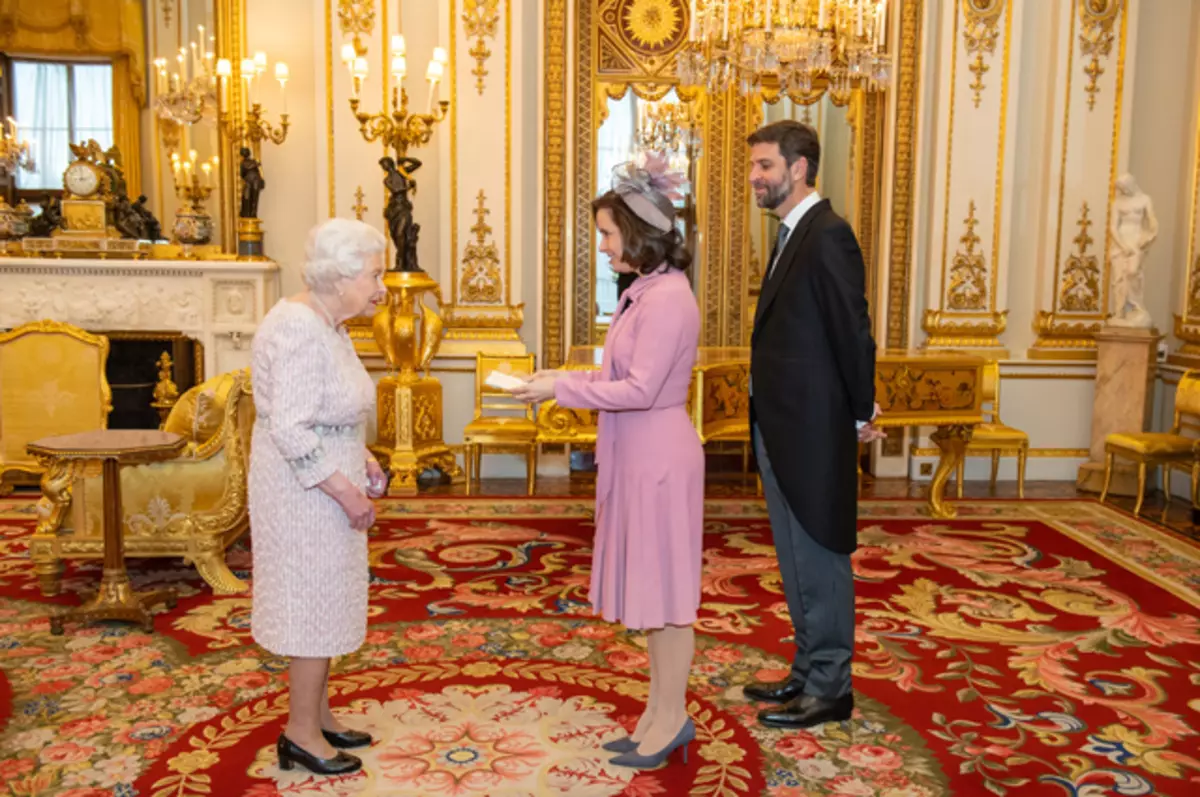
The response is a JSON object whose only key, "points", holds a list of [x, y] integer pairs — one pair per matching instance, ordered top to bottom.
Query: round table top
{"points": [[123, 445]]}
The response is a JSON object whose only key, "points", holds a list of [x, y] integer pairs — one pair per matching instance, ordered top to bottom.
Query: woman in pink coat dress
{"points": [[650, 486]]}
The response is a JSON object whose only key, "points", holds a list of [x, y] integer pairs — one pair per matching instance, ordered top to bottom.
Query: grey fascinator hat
{"points": [[649, 189]]}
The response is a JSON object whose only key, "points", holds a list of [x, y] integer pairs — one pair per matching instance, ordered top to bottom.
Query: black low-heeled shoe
{"points": [[347, 739], [291, 754]]}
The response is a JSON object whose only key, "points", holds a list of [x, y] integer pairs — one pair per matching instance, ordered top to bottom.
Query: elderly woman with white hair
{"points": [[311, 483]]}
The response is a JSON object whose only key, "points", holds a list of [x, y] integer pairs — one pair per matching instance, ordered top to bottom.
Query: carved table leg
{"points": [[952, 441], [116, 599]]}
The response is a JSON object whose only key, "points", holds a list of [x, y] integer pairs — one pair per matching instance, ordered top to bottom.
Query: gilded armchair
{"points": [[52, 382], [501, 424], [994, 437], [1177, 448], [192, 507]]}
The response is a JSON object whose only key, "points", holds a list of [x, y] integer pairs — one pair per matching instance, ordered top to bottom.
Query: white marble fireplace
{"points": [[218, 303]]}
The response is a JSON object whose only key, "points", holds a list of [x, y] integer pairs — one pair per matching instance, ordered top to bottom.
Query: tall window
{"points": [[56, 104]]}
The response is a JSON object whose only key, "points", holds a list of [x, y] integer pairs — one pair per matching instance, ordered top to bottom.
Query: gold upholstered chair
{"points": [[51, 383], [501, 423], [993, 436], [1168, 449], [193, 506]]}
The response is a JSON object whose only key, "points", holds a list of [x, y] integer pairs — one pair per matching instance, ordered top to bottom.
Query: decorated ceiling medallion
{"points": [[651, 26]]}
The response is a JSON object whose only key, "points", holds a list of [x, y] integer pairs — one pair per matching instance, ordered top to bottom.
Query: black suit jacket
{"points": [[812, 366]]}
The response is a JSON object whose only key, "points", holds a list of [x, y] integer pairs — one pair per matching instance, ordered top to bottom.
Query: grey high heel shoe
{"points": [[686, 735], [620, 745]]}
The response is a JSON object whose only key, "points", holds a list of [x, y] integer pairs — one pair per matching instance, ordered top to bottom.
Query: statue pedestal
{"points": [[250, 239], [1123, 402], [409, 404], [409, 436]]}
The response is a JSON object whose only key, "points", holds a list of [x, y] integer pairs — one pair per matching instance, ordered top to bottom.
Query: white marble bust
{"points": [[1132, 228]]}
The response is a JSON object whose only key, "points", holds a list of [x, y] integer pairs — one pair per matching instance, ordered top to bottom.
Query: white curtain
{"points": [[93, 104], [43, 112], [615, 144]]}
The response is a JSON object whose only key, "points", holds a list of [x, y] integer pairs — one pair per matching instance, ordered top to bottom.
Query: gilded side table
{"points": [[113, 448]]}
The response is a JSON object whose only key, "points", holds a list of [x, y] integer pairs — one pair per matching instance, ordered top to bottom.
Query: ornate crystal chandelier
{"points": [[797, 46], [183, 96], [671, 127], [15, 152]]}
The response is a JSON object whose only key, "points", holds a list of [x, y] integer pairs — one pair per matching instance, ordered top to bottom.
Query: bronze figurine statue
{"points": [[252, 185], [399, 211], [49, 220], [151, 228]]}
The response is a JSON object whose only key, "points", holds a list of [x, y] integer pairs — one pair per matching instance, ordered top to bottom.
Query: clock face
{"points": [[81, 179]]}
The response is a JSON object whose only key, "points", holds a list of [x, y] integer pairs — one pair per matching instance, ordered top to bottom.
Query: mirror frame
{"points": [[229, 28]]}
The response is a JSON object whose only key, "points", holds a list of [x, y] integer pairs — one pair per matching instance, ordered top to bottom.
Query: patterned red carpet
{"points": [[1026, 648]]}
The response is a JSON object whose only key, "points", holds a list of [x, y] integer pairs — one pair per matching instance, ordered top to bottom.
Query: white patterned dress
{"points": [[312, 399]]}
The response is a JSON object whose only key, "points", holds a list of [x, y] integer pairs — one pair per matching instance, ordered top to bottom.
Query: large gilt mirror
{"points": [[184, 107], [632, 124], [849, 127]]}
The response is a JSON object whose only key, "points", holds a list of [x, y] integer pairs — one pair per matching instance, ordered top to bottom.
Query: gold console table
{"points": [[913, 389]]}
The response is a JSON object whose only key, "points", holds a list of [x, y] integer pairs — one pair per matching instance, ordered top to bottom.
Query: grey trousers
{"points": [[819, 587]]}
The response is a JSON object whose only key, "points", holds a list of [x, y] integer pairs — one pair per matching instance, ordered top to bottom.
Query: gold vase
{"points": [[409, 433]]}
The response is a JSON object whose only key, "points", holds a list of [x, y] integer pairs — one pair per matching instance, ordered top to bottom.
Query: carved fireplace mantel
{"points": [[218, 303]]}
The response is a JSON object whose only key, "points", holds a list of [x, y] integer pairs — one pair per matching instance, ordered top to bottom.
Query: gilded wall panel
{"points": [[1090, 140], [481, 282], [968, 292], [1187, 322]]}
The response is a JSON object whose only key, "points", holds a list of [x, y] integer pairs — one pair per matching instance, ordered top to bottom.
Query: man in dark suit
{"points": [[812, 389]]}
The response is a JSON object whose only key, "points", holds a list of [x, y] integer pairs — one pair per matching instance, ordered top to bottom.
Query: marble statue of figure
{"points": [[1132, 228]]}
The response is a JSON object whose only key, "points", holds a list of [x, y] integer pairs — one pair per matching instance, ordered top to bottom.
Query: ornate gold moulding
{"points": [[977, 333], [1064, 338]]}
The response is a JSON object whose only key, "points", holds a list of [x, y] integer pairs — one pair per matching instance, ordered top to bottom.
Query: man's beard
{"points": [[775, 194]]}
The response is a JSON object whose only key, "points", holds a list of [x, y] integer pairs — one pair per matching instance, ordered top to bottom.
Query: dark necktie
{"points": [[780, 240]]}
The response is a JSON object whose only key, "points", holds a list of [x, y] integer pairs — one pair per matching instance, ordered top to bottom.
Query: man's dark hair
{"points": [[796, 140]]}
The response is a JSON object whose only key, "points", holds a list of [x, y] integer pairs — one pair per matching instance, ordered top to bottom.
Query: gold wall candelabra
{"points": [[252, 129], [399, 129], [246, 133], [15, 153], [409, 431]]}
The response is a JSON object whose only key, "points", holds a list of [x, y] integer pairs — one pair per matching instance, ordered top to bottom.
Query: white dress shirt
{"points": [[790, 221]]}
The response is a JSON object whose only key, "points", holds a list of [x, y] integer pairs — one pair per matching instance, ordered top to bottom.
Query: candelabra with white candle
{"points": [[246, 133], [407, 330]]}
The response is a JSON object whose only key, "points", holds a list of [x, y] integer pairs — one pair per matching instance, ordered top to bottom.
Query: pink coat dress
{"points": [[650, 486]]}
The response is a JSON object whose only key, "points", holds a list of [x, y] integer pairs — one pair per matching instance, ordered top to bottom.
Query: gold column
{"points": [[1187, 322]]}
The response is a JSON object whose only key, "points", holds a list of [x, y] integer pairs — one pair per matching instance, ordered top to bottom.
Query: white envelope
{"points": [[502, 381]]}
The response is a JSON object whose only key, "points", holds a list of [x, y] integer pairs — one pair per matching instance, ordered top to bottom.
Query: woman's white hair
{"points": [[338, 249]]}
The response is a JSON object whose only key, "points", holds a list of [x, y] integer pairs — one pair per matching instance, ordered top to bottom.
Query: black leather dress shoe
{"points": [[784, 691], [807, 711], [347, 739], [291, 754]]}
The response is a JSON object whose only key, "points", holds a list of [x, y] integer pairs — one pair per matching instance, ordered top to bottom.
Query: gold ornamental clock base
{"points": [[409, 402]]}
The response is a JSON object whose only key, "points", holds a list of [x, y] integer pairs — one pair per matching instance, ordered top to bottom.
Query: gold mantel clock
{"points": [[89, 193]]}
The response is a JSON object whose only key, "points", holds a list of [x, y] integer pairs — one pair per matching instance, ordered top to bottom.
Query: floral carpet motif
{"points": [[1024, 648]]}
